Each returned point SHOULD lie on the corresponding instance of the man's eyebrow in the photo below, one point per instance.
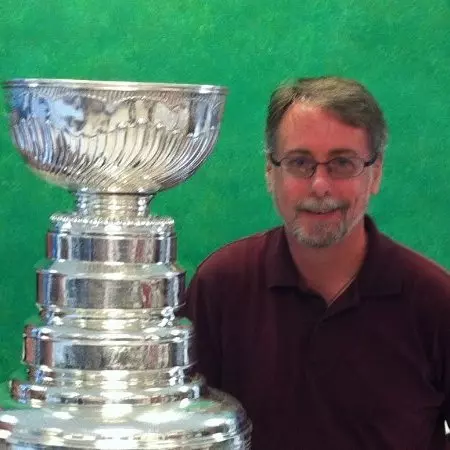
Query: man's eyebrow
(298, 151)
(343, 151)
(332, 152)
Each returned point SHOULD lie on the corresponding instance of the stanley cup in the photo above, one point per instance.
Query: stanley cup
(111, 366)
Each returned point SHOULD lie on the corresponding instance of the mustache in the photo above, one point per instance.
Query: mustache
(321, 206)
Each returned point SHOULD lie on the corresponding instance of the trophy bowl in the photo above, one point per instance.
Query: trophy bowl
(113, 137)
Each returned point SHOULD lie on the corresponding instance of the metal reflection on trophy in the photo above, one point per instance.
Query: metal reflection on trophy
(111, 366)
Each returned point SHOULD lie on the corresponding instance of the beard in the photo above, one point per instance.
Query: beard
(324, 233)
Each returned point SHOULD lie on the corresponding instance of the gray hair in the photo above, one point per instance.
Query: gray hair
(346, 99)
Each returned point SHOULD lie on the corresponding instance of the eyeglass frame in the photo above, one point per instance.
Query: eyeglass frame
(366, 163)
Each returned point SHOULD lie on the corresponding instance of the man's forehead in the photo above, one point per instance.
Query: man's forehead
(303, 114)
(305, 126)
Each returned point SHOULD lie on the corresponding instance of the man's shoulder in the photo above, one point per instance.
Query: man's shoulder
(417, 270)
(238, 255)
(425, 290)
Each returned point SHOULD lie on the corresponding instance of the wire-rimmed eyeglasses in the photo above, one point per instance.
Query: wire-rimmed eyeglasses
(340, 167)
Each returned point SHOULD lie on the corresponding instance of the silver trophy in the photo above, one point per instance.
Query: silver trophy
(111, 366)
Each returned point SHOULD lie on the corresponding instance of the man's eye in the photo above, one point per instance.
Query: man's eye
(343, 162)
(300, 162)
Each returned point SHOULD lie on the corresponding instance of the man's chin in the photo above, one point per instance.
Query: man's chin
(322, 239)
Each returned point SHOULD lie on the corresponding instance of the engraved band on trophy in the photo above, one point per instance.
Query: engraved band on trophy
(112, 367)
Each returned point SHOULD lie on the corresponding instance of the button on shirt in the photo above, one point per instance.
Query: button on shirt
(372, 371)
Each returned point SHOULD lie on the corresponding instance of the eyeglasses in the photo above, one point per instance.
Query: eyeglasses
(340, 167)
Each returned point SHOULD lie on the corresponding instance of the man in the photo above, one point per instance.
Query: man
(331, 335)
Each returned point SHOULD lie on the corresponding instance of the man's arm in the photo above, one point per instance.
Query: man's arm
(202, 309)
(433, 315)
(444, 366)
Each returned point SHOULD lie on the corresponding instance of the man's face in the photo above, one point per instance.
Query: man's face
(320, 211)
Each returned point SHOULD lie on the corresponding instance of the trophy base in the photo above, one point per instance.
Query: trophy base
(213, 421)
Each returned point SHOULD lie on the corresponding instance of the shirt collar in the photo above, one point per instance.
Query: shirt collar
(377, 275)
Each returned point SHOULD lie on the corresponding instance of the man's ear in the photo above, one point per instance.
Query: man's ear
(269, 175)
(377, 175)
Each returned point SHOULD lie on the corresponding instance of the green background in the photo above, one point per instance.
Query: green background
(400, 50)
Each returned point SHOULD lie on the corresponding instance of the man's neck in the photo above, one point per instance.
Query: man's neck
(328, 270)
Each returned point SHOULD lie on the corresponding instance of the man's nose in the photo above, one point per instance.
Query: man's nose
(321, 181)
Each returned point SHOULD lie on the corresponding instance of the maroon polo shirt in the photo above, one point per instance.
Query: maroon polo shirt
(372, 372)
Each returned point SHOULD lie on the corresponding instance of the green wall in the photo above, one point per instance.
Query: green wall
(400, 50)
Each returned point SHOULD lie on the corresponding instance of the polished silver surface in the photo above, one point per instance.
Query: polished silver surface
(44, 376)
(161, 345)
(111, 366)
(77, 290)
(213, 422)
(109, 393)
(114, 136)
(119, 86)
(112, 248)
